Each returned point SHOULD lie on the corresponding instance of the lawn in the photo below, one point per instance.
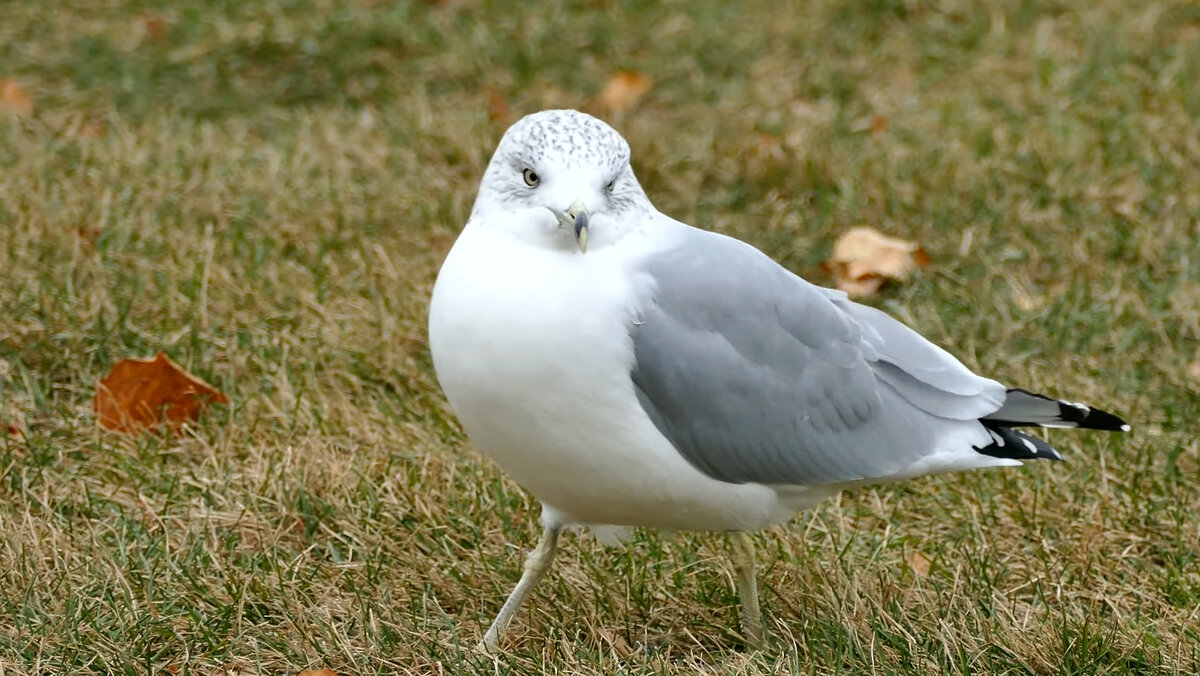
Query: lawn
(265, 190)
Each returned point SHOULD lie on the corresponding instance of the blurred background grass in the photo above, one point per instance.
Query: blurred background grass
(265, 190)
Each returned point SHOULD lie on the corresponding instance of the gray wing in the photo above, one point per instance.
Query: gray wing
(754, 374)
(926, 375)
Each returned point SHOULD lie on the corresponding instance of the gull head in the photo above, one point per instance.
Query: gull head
(561, 178)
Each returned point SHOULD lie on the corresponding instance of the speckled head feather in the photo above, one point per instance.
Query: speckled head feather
(568, 136)
(556, 142)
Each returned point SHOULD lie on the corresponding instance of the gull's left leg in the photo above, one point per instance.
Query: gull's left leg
(536, 565)
(742, 552)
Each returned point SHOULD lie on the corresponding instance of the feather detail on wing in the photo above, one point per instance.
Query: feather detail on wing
(754, 374)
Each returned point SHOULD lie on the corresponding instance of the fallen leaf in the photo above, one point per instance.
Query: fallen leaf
(14, 99)
(498, 110)
(616, 643)
(87, 235)
(143, 393)
(623, 91)
(1127, 196)
(878, 125)
(919, 563)
(153, 26)
(863, 259)
(11, 421)
(856, 288)
(91, 130)
(1193, 369)
(318, 672)
(769, 147)
(1025, 301)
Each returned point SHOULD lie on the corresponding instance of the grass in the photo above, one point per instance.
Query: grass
(265, 192)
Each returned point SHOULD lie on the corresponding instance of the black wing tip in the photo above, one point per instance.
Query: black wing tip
(1103, 420)
(1081, 416)
(1088, 418)
(1013, 445)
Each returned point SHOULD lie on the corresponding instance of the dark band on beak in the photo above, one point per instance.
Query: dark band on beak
(581, 230)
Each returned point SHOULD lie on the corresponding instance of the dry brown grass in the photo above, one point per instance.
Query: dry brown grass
(266, 194)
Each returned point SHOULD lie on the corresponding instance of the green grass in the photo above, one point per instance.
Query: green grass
(266, 193)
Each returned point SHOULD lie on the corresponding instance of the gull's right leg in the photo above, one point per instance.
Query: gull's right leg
(742, 546)
(536, 565)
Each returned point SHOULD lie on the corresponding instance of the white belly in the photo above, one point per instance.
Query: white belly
(532, 350)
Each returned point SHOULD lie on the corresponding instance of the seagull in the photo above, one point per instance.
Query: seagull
(630, 370)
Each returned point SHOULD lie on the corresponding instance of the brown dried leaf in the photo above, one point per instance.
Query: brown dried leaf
(919, 563)
(143, 393)
(318, 672)
(616, 643)
(12, 422)
(868, 285)
(1025, 301)
(153, 26)
(1193, 369)
(863, 258)
(623, 91)
(14, 99)
(497, 106)
(87, 235)
(768, 148)
(879, 125)
(91, 130)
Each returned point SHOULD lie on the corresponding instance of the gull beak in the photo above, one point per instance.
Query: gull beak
(577, 217)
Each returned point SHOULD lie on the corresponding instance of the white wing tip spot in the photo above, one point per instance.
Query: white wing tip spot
(1125, 428)
(1030, 446)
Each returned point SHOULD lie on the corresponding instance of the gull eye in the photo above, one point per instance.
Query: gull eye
(611, 184)
(531, 178)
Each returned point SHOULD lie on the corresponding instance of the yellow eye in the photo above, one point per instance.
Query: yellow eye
(531, 177)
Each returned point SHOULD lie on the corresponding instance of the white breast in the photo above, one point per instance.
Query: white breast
(532, 349)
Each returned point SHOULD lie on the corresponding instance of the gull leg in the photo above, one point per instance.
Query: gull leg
(742, 553)
(536, 565)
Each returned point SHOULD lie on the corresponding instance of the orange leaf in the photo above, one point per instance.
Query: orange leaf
(863, 258)
(140, 393)
(12, 422)
(497, 106)
(919, 563)
(88, 235)
(14, 99)
(153, 26)
(318, 672)
(878, 125)
(623, 91)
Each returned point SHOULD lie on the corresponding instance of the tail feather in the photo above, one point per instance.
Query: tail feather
(1023, 408)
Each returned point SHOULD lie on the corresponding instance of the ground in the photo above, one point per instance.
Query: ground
(264, 191)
